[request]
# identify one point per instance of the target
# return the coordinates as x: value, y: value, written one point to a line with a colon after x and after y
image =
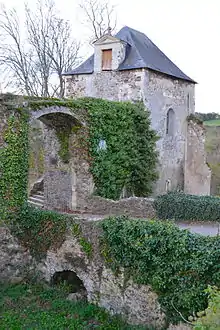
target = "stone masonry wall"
x: 16, y: 262
x: 36, y: 154
x: 116, y: 293
x: 57, y: 175
x: 67, y: 186
x: 137, y: 303
x: 197, y: 172
x: 135, y: 207
x: 110, y: 85
x: 160, y: 93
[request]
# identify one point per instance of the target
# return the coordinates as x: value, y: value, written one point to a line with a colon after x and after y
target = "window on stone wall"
x: 170, y: 122
x: 106, y: 59
x: 188, y: 102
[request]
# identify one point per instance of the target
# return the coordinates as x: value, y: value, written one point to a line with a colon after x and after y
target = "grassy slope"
x: 215, y: 122
x: 36, y: 307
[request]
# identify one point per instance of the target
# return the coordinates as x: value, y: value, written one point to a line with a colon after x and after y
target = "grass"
x: 215, y: 122
x: 34, y: 307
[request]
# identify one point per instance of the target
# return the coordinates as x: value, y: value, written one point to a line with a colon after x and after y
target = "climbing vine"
x: 63, y: 138
x: 118, y: 143
x: 177, y: 264
x: 14, y: 164
x: 114, y: 137
x: 85, y: 244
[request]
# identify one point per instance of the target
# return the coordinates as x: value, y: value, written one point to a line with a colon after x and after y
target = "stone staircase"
x: 36, y: 196
x: 37, y: 199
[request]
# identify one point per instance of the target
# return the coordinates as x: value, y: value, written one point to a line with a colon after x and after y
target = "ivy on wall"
x: 180, y: 206
x: 128, y: 160
x: 14, y: 164
x: 177, y: 264
x: 127, y: 164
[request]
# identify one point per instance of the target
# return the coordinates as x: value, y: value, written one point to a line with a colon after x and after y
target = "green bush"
x: 179, y: 206
x: 210, y: 318
x: 38, y: 230
x: 176, y: 263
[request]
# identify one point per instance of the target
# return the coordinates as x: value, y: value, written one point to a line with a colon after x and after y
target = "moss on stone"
x: 84, y: 243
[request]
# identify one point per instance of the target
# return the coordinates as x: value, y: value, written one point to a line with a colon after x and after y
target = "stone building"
x: 129, y: 66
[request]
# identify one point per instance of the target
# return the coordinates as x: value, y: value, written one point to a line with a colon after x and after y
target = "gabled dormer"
x: 109, y: 53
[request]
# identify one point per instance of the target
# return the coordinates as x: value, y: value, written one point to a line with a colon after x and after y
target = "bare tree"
x: 63, y: 51
x: 13, y: 55
x: 100, y: 17
x: 45, y: 52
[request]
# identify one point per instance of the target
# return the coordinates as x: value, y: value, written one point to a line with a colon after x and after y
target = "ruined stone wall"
x: 212, y: 146
x: 16, y: 262
x: 116, y: 293
x: 67, y: 186
x: 197, y: 172
x: 36, y: 155
x: 57, y: 174
x: 136, y: 207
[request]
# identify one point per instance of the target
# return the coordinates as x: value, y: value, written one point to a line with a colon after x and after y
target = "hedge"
x: 180, y: 206
x: 177, y: 264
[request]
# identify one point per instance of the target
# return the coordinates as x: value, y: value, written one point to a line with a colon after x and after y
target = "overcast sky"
x: 187, y: 31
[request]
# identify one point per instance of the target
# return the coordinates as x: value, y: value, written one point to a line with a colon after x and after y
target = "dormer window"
x: 106, y: 59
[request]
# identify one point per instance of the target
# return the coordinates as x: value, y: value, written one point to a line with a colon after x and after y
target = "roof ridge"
x: 143, y: 53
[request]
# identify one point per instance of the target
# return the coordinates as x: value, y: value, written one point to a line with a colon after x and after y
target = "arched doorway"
x: 64, y: 168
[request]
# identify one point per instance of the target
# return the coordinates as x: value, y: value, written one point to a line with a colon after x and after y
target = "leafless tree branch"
x: 46, y: 51
x: 99, y: 17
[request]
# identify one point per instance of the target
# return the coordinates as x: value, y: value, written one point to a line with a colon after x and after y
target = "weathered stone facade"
x: 138, y: 304
x: 143, y: 72
x: 197, y: 172
x: 67, y: 185
x: 160, y: 93
x: 16, y: 262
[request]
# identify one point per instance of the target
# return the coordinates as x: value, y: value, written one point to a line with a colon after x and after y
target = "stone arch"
x: 64, y: 168
x: 170, y: 122
x: 42, y: 112
x: 70, y: 279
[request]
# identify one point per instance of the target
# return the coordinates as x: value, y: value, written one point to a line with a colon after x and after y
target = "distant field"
x: 215, y: 122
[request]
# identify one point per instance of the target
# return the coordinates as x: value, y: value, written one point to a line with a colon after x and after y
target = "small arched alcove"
x: 170, y: 122
x: 70, y: 280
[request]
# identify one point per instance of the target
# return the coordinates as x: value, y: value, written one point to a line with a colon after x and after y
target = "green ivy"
x: 177, y: 264
x: 129, y: 161
x: 180, y: 206
x: 209, y: 319
x: 14, y: 164
x: 195, y: 119
x: 39, y: 230
x: 63, y: 138
x: 127, y: 164
x: 85, y: 244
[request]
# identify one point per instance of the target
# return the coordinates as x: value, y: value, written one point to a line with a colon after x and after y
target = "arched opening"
x: 70, y: 281
x: 55, y: 159
x: 170, y: 122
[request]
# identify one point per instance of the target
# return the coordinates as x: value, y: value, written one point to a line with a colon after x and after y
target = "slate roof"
x: 141, y: 52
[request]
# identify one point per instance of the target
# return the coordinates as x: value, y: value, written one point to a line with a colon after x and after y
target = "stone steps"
x: 37, y: 199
